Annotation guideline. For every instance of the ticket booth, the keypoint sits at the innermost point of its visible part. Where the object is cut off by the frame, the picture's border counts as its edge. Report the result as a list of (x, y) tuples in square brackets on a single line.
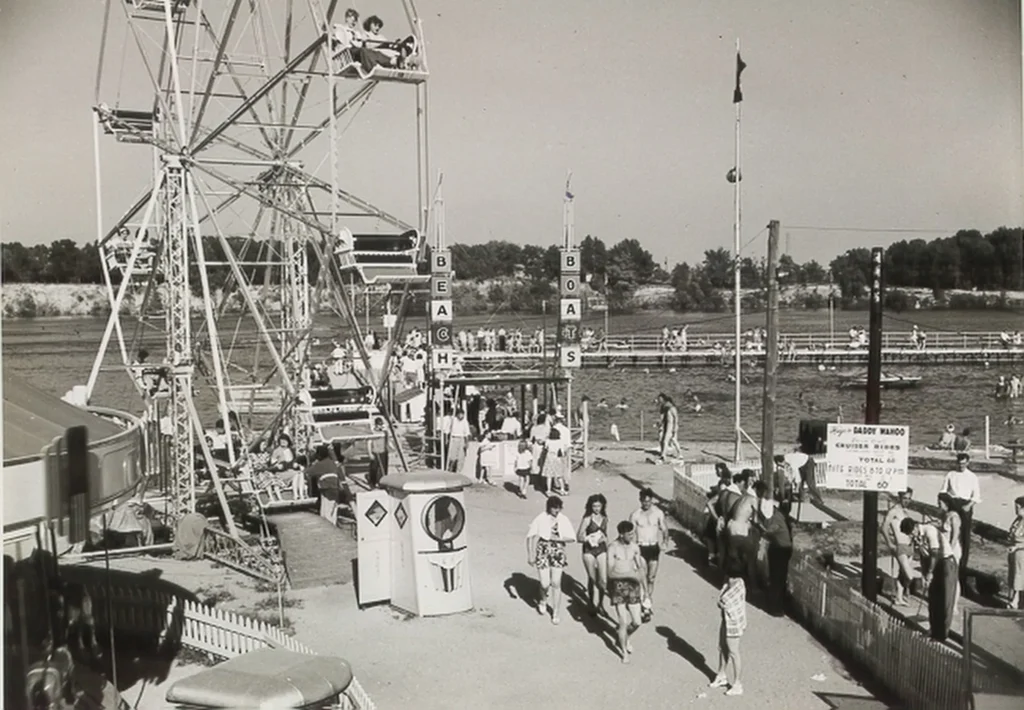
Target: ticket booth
[(419, 554)]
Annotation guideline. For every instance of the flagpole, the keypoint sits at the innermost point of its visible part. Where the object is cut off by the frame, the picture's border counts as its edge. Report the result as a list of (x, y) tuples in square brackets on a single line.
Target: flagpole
[(736, 272)]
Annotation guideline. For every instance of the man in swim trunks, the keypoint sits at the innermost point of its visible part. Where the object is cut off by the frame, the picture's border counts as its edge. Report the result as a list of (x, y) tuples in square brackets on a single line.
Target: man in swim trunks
[(627, 584), (651, 536)]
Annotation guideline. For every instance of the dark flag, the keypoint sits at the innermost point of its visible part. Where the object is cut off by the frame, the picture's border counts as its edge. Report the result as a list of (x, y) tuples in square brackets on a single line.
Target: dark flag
[(737, 95)]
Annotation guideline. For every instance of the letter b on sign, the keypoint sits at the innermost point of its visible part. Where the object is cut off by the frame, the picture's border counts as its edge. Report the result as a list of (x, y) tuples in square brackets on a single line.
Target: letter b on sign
[(441, 262), (570, 261)]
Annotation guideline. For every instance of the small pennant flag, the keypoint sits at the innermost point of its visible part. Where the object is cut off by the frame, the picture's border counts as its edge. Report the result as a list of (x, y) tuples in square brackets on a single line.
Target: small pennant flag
[(737, 94), (569, 195)]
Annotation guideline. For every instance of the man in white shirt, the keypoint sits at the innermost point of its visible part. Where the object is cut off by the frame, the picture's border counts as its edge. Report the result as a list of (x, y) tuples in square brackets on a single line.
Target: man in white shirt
[(939, 574), (458, 441), (962, 486)]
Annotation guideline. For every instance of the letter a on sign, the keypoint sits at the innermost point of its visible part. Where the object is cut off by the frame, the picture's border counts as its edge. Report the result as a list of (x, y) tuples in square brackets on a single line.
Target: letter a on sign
[(570, 309), (441, 311), (571, 356)]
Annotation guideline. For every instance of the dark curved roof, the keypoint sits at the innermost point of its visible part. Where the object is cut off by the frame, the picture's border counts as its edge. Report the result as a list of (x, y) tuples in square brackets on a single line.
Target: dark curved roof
[(33, 418)]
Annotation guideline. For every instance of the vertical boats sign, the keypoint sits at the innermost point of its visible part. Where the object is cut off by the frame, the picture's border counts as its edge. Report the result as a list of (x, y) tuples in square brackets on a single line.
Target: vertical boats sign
[(867, 457)]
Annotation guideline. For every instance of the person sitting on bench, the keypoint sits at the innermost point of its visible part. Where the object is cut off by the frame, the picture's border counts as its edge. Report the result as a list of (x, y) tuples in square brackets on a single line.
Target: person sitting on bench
[(378, 51)]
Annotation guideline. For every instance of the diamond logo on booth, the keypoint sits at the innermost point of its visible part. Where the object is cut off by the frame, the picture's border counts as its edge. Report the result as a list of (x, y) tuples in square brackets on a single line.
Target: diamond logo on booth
[(376, 513), (400, 515)]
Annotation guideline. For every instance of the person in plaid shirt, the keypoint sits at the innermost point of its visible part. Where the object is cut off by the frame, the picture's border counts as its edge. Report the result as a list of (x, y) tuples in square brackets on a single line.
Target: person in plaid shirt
[(732, 600)]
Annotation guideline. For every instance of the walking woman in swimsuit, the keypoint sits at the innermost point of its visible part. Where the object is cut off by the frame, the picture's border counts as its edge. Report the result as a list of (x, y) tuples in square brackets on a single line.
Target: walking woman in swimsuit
[(593, 533)]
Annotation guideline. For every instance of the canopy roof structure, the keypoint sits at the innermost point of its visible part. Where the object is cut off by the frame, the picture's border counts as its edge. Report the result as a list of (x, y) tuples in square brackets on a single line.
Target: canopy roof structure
[(33, 418)]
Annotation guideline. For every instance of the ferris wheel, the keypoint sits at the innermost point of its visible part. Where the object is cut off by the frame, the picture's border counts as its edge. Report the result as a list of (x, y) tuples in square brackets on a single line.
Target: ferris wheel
[(250, 226)]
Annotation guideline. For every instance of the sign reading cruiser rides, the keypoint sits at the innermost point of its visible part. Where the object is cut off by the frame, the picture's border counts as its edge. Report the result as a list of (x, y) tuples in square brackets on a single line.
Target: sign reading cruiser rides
[(867, 457)]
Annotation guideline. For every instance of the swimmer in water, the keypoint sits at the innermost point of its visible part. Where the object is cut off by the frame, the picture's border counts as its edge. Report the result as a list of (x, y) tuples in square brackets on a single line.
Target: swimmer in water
[(603, 404), (622, 404)]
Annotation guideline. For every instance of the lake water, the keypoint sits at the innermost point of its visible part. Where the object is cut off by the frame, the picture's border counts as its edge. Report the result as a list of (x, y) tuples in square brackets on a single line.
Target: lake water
[(56, 354)]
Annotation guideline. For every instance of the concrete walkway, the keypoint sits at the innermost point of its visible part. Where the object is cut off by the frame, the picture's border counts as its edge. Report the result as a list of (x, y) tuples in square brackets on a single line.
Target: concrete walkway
[(504, 655)]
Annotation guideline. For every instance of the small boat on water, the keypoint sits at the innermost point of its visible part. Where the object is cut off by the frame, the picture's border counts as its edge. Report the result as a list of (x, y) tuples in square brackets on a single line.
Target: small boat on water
[(889, 381)]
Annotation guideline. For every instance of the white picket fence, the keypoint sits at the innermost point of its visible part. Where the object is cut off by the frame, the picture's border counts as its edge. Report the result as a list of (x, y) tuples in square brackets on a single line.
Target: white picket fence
[(219, 632)]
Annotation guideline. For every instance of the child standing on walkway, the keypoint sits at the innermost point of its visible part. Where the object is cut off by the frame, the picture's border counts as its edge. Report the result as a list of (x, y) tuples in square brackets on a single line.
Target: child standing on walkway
[(524, 464), (732, 600)]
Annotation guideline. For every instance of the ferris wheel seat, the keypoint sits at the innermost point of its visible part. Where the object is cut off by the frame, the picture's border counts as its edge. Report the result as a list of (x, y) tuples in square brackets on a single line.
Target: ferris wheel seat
[(126, 125), (350, 68), (258, 399), (381, 258)]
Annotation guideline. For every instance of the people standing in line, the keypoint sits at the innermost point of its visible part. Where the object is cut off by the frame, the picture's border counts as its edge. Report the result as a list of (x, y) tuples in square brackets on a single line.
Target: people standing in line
[(539, 433), (545, 550), (669, 434), (899, 545), (554, 461), (458, 441), (951, 524), (627, 585), (524, 465), (940, 574), (775, 527), (1015, 554), (728, 496), (378, 446), (965, 492), (593, 533), (740, 529), (732, 601), (563, 476), (711, 524), (651, 536)]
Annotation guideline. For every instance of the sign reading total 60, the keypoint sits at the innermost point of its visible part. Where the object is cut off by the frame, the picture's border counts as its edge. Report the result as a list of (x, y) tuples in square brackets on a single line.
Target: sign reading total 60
[(867, 457)]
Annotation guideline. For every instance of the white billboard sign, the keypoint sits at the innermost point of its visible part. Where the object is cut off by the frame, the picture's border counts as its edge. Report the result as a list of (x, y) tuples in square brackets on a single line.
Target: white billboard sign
[(867, 457)]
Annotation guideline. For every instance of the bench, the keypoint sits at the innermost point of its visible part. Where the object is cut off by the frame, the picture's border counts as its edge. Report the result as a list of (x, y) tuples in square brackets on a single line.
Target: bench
[(349, 68), (258, 399), (339, 414), (1015, 448)]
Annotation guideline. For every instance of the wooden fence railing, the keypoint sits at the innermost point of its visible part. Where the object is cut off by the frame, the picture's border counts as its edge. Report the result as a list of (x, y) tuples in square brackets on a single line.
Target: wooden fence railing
[(925, 674), (169, 619)]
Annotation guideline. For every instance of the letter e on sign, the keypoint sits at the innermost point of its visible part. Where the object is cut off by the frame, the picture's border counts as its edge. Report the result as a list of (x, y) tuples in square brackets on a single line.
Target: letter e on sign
[(570, 261), (440, 287)]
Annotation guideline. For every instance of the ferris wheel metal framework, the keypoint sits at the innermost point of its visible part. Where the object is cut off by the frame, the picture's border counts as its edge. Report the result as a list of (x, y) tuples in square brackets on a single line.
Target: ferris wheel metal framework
[(236, 157)]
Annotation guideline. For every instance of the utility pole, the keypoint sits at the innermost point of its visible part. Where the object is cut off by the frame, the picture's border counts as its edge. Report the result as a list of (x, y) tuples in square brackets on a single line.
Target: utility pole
[(771, 362), (872, 412)]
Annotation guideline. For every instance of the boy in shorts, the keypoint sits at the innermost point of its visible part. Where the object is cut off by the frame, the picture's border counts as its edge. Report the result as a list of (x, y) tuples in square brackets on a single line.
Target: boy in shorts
[(627, 584)]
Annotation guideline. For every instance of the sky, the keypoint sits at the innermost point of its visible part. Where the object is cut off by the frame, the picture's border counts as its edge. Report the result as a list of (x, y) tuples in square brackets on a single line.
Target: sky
[(892, 114)]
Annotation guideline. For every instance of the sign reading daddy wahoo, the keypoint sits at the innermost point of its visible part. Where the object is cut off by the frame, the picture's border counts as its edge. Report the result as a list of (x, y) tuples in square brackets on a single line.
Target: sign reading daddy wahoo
[(867, 457)]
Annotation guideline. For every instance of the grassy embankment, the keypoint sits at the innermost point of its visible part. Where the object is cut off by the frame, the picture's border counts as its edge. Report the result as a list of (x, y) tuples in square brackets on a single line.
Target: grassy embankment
[(83, 300)]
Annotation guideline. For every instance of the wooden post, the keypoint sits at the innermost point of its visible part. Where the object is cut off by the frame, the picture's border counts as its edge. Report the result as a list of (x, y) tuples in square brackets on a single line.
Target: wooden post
[(585, 427), (872, 412), (771, 363)]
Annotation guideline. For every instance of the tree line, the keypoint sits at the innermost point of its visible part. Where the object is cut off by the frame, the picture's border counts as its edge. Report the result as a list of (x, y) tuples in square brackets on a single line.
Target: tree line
[(522, 277)]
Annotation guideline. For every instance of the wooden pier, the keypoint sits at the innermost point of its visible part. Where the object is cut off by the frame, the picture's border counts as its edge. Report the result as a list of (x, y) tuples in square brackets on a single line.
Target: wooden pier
[(706, 350)]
